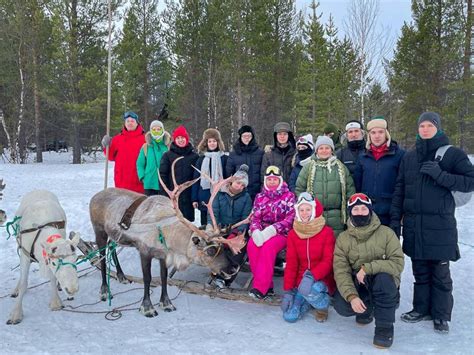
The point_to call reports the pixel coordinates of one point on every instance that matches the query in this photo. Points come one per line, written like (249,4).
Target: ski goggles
(363,198)
(130,114)
(273,170)
(305,197)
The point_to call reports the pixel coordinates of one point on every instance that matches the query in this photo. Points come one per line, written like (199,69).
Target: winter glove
(257,237)
(306,283)
(106,141)
(431,168)
(268,233)
(287,300)
(397,229)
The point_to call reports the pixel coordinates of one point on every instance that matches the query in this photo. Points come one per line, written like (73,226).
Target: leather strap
(126,220)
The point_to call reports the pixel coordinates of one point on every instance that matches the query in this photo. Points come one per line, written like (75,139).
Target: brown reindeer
(159,230)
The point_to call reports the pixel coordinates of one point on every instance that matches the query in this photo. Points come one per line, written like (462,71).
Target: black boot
(414,317)
(383,337)
(441,326)
(364,318)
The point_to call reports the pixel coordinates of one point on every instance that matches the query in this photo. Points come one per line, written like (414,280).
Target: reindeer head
(3,215)
(60,257)
(206,247)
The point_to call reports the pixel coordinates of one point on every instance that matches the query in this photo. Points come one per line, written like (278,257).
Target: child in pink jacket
(272,219)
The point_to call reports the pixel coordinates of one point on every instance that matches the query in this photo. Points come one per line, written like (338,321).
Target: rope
(14,225)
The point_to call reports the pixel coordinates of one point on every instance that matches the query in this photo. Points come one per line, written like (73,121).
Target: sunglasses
(272,170)
(359,197)
(130,114)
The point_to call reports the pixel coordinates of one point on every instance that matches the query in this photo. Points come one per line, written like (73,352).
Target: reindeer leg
(16,316)
(120,275)
(146,307)
(165,302)
(55,304)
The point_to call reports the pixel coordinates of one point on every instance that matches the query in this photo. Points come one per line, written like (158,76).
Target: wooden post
(109,90)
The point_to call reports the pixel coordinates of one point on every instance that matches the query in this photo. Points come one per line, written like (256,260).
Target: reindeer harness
(126,220)
(31,253)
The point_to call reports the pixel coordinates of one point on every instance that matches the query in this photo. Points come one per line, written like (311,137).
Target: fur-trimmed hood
(166,138)
(207,134)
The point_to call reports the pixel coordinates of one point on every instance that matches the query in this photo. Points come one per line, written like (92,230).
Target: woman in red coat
(124,149)
(308,279)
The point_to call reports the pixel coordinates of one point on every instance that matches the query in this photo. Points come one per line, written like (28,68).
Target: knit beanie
(242,174)
(317,207)
(180,131)
(432,117)
(306,140)
(245,129)
(130,114)
(377,122)
(324,140)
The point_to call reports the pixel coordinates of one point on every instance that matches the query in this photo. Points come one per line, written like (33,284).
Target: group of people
(337,205)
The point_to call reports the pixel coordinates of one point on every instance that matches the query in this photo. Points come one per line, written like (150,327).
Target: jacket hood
(166,138)
(139,130)
(181,151)
(365,232)
(426,148)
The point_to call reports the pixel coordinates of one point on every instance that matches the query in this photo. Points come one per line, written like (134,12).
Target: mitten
(287,300)
(306,283)
(431,168)
(257,237)
(106,141)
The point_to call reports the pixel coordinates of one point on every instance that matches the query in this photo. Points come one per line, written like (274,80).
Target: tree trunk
(39,150)
(466,77)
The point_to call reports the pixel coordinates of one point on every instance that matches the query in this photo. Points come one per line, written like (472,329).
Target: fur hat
(324,140)
(242,174)
(306,140)
(180,131)
(377,122)
(432,117)
(306,197)
(208,134)
(282,127)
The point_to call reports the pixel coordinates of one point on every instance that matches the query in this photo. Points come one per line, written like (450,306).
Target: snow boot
(383,337)
(364,318)
(321,315)
(441,326)
(414,317)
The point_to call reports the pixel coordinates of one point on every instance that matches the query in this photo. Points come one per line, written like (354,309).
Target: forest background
(225,63)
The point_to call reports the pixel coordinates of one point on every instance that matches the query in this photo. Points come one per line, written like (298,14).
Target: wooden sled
(193,287)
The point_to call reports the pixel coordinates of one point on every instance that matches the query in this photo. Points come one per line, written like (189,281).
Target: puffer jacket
(149,159)
(426,205)
(314,254)
(230,209)
(274,208)
(327,189)
(375,247)
(252,156)
(124,150)
(279,157)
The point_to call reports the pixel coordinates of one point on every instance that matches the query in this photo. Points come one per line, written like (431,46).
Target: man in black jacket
(423,199)
(354,136)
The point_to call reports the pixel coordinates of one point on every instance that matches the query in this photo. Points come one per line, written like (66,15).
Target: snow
(200,324)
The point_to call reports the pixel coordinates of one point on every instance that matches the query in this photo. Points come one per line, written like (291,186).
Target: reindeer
(42,239)
(3,215)
(159,230)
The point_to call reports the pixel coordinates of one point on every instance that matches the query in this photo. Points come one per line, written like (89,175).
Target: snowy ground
(200,324)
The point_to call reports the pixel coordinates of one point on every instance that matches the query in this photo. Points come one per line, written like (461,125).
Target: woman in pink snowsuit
(272,219)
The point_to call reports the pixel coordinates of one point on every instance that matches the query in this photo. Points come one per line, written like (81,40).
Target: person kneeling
(308,279)
(368,262)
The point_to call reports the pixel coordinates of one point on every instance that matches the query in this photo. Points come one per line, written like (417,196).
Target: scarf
(328,164)
(212,166)
(380,151)
(309,229)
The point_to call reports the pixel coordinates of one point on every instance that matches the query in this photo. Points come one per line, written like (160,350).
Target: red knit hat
(180,131)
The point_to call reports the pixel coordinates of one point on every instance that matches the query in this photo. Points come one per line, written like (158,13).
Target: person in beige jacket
(368,262)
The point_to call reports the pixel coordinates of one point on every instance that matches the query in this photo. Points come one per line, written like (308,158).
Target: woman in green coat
(327,179)
(157,141)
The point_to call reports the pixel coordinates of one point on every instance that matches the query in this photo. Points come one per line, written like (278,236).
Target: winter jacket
(315,254)
(376,179)
(230,209)
(374,247)
(148,161)
(280,157)
(295,172)
(426,205)
(349,154)
(183,172)
(198,194)
(274,208)
(251,155)
(124,150)
(328,190)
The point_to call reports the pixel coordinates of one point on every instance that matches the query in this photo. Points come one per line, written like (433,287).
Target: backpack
(460,198)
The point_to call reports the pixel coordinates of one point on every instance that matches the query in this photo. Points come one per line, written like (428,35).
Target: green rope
(112,246)
(14,225)
(161,238)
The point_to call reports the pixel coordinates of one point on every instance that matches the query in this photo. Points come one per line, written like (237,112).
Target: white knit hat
(307,140)
(324,140)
